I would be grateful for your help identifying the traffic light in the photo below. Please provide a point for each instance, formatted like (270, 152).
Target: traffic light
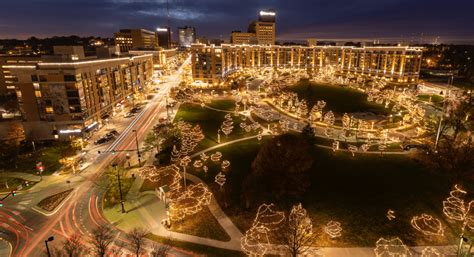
(13, 193)
(1, 203)
(113, 152)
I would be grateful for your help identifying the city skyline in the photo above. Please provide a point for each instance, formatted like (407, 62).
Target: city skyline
(392, 20)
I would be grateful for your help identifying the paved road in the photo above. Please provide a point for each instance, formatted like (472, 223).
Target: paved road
(27, 229)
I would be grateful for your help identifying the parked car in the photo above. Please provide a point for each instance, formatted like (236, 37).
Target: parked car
(101, 141)
(129, 115)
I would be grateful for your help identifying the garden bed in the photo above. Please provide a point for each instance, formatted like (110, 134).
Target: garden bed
(51, 202)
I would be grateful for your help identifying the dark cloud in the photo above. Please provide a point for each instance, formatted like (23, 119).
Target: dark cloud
(296, 19)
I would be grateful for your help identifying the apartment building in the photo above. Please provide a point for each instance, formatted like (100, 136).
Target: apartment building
(71, 98)
(397, 63)
(135, 39)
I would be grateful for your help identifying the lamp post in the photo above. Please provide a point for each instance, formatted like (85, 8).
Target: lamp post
(138, 148)
(120, 187)
(51, 238)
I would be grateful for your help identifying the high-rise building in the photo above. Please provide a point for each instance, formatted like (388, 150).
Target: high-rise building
(186, 36)
(164, 37)
(262, 31)
(265, 33)
(135, 39)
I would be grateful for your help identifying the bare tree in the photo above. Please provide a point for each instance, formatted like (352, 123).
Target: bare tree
(73, 246)
(117, 250)
(102, 238)
(297, 234)
(160, 250)
(137, 238)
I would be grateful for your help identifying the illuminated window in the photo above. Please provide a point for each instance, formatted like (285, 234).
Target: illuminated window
(49, 109)
(38, 93)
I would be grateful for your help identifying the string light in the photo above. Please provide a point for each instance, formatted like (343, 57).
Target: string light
(203, 157)
(352, 149)
(391, 214)
(427, 225)
(333, 229)
(220, 179)
(190, 202)
(225, 164)
(198, 164)
(430, 252)
(215, 157)
(255, 242)
(455, 208)
(335, 146)
(391, 247)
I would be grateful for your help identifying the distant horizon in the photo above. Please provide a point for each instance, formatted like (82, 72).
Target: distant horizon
(392, 40)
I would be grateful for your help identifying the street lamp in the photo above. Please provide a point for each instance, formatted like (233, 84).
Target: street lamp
(138, 148)
(51, 238)
(120, 187)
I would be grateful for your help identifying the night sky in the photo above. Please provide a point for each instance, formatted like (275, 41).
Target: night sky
(394, 20)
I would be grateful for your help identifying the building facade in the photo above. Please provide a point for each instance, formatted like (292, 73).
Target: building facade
(186, 36)
(240, 38)
(211, 64)
(7, 78)
(71, 98)
(135, 39)
(164, 37)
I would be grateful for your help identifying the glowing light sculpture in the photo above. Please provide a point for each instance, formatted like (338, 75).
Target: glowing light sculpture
(333, 229)
(391, 248)
(428, 225)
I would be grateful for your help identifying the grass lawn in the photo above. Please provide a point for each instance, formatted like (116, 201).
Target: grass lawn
(201, 224)
(434, 98)
(202, 250)
(354, 191)
(210, 121)
(338, 99)
(49, 155)
(13, 184)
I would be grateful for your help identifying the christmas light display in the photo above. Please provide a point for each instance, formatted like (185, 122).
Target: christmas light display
(391, 214)
(203, 157)
(431, 252)
(190, 202)
(335, 146)
(329, 118)
(346, 121)
(333, 229)
(165, 176)
(352, 149)
(220, 179)
(189, 137)
(427, 224)
(215, 157)
(227, 125)
(205, 169)
(364, 148)
(225, 164)
(198, 164)
(391, 248)
(268, 217)
(255, 242)
(455, 208)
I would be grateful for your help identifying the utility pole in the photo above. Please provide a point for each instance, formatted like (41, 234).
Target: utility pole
(120, 187)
